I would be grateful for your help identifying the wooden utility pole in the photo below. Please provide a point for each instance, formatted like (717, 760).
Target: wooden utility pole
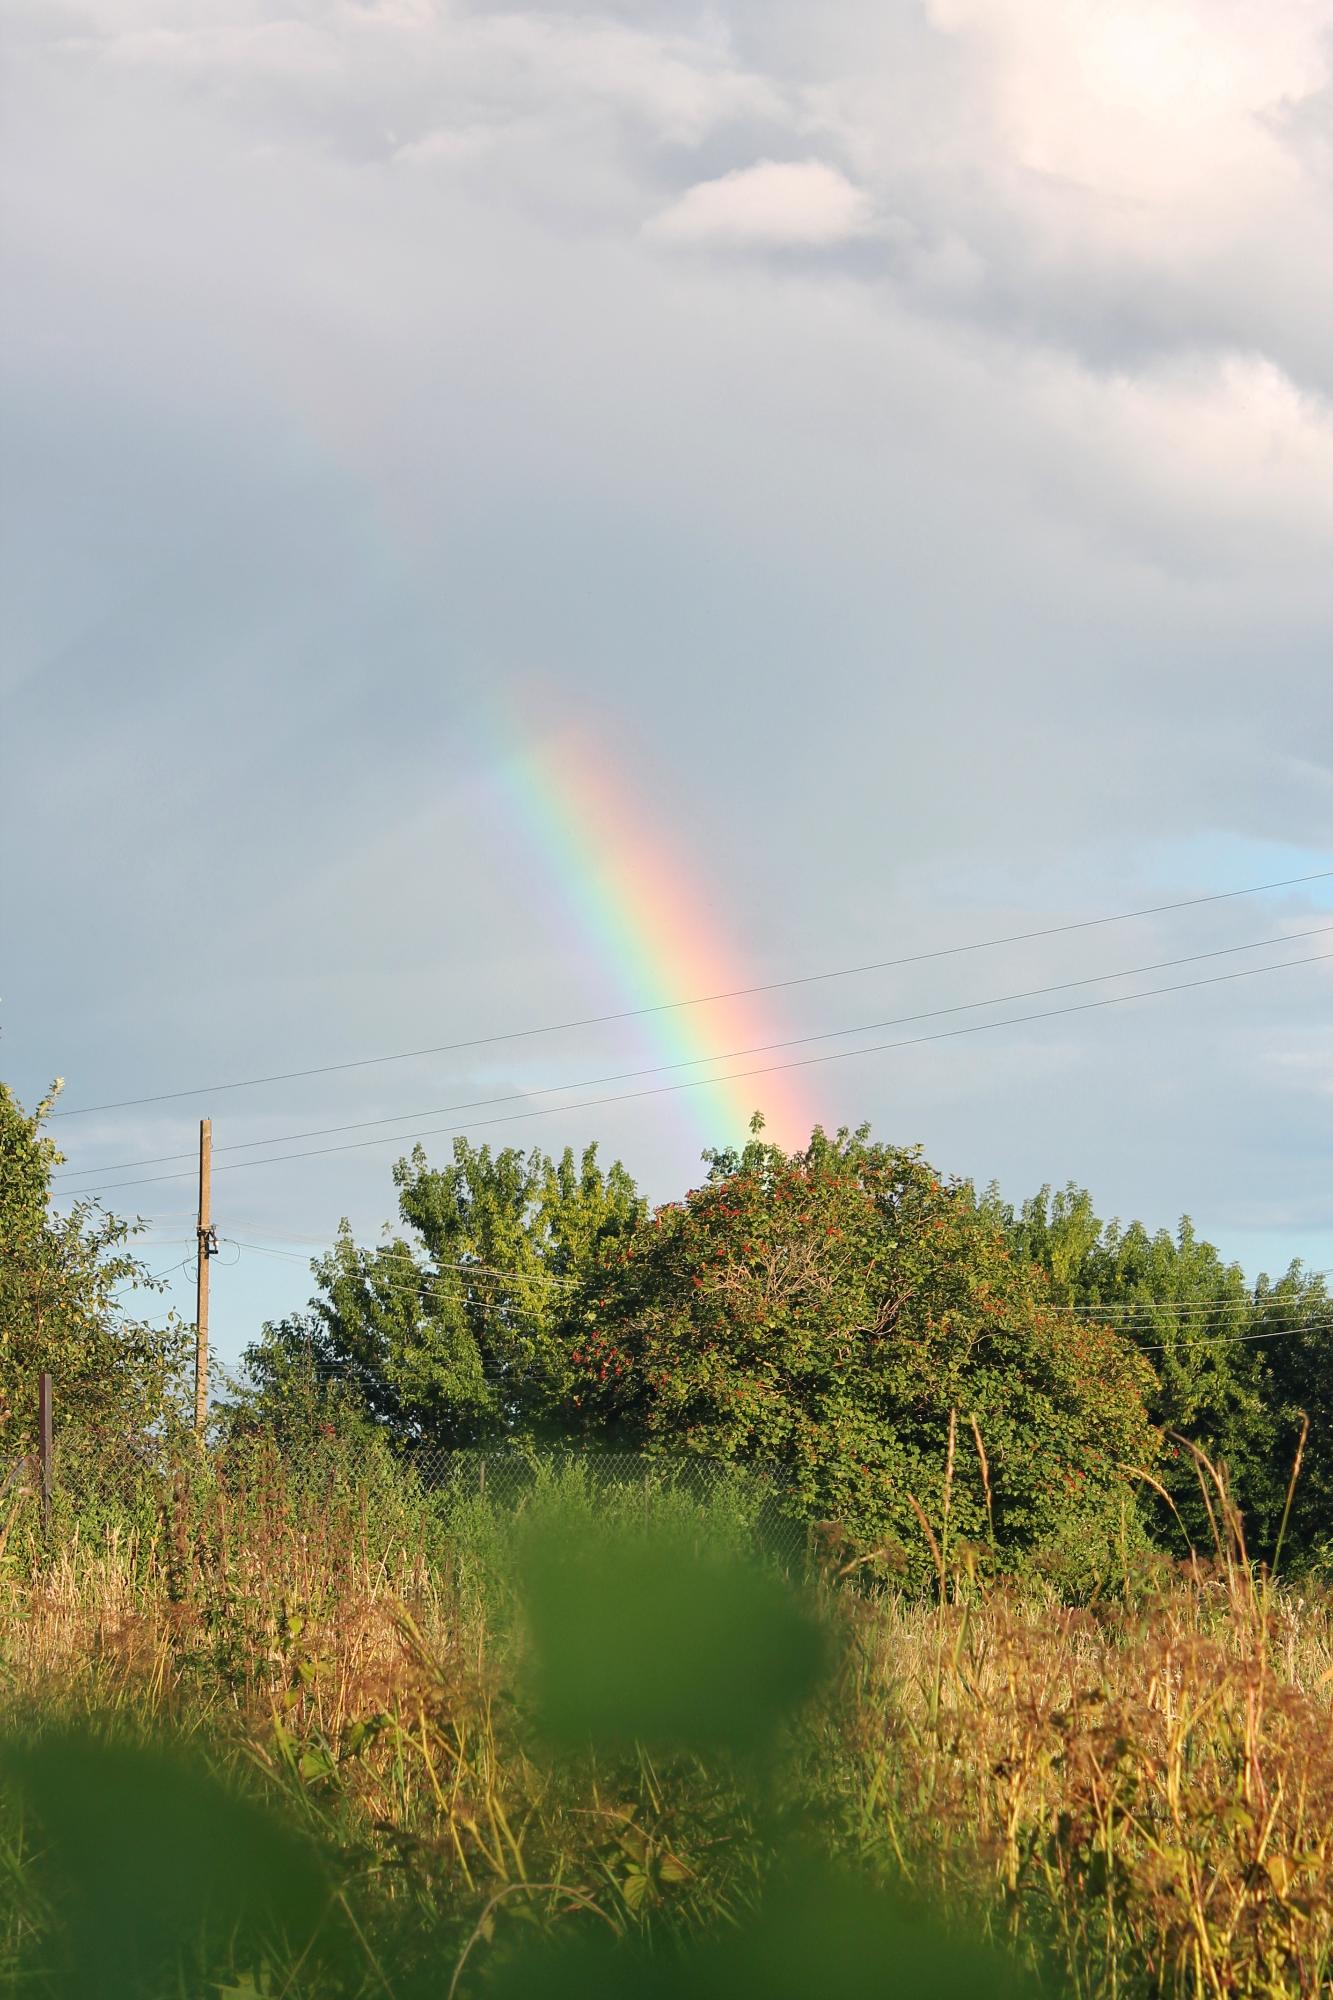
(45, 1450)
(208, 1244)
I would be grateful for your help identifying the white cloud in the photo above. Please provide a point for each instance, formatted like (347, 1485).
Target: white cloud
(1135, 179)
(448, 146)
(775, 203)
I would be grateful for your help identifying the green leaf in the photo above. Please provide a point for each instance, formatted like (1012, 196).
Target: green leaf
(641, 1638)
(157, 1866)
(634, 1888)
(318, 1762)
(817, 1936)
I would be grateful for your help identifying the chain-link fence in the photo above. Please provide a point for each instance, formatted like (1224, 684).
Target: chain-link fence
(100, 1485)
(510, 1480)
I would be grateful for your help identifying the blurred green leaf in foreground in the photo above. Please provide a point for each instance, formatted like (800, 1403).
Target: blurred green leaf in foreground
(159, 1877)
(817, 1935)
(642, 1638)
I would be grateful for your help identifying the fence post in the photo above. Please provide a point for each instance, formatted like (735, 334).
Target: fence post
(45, 1440)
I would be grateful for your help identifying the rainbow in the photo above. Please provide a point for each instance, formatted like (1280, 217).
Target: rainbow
(653, 930)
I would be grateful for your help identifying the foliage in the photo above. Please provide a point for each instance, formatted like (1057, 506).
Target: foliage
(62, 1280)
(151, 1865)
(1235, 1368)
(882, 1337)
(456, 1334)
(845, 1316)
(640, 1636)
(1136, 1799)
(1292, 1327)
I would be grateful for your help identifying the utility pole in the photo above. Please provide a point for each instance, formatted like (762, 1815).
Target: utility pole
(208, 1244)
(45, 1473)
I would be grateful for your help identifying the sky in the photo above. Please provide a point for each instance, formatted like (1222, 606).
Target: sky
(518, 515)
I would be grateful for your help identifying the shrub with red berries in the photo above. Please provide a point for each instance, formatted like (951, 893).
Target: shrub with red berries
(839, 1314)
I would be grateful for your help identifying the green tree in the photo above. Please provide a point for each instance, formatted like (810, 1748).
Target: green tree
(851, 1320)
(63, 1280)
(458, 1332)
(1292, 1327)
(1193, 1316)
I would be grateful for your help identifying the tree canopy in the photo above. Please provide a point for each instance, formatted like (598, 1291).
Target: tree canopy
(458, 1332)
(64, 1281)
(856, 1323)
(1236, 1368)
(916, 1365)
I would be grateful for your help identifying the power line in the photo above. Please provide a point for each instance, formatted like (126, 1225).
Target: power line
(699, 1000)
(1121, 1318)
(337, 1368)
(1202, 1326)
(430, 1288)
(733, 1076)
(152, 1277)
(694, 1062)
(282, 1236)
(1164, 1320)
(467, 1269)
(1149, 1317)
(1198, 1334)
(1218, 1306)
(323, 1245)
(1236, 1339)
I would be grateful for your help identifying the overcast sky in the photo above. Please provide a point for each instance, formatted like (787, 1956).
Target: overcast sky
(893, 442)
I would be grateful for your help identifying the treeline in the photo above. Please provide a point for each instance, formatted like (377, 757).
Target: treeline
(912, 1356)
(930, 1373)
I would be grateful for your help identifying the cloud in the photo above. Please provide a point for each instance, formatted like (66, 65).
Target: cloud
(775, 204)
(974, 558)
(1135, 181)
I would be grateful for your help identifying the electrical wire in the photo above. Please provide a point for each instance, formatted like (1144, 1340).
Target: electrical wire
(734, 1076)
(1132, 1316)
(431, 1288)
(1198, 1333)
(1124, 1318)
(1199, 1316)
(1155, 1319)
(152, 1277)
(1108, 1314)
(467, 1268)
(694, 1062)
(1158, 1305)
(699, 1000)
(1238, 1339)
(334, 1369)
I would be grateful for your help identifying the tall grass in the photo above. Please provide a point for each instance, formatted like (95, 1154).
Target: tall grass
(1135, 1795)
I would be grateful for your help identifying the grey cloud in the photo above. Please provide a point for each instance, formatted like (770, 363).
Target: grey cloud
(918, 585)
(598, 119)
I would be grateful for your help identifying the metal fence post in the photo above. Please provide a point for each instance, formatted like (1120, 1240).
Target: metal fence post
(45, 1468)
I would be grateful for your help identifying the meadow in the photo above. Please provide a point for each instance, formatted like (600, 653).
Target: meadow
(612, 1737)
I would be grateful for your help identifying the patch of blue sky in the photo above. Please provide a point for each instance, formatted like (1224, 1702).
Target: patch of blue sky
(1096, 879)
(1210, 863)
(1272, 1249)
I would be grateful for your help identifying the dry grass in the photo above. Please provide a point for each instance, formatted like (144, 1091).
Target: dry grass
(1151, 1790)
(1141, 1792)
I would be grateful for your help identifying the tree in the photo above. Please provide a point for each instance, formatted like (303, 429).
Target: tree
(848, 1318)
(1194, 1316)
(1293, 1333)
(62, 1279)
(459, 1333)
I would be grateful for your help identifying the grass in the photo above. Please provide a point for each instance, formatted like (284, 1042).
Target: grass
(1130, 1798)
